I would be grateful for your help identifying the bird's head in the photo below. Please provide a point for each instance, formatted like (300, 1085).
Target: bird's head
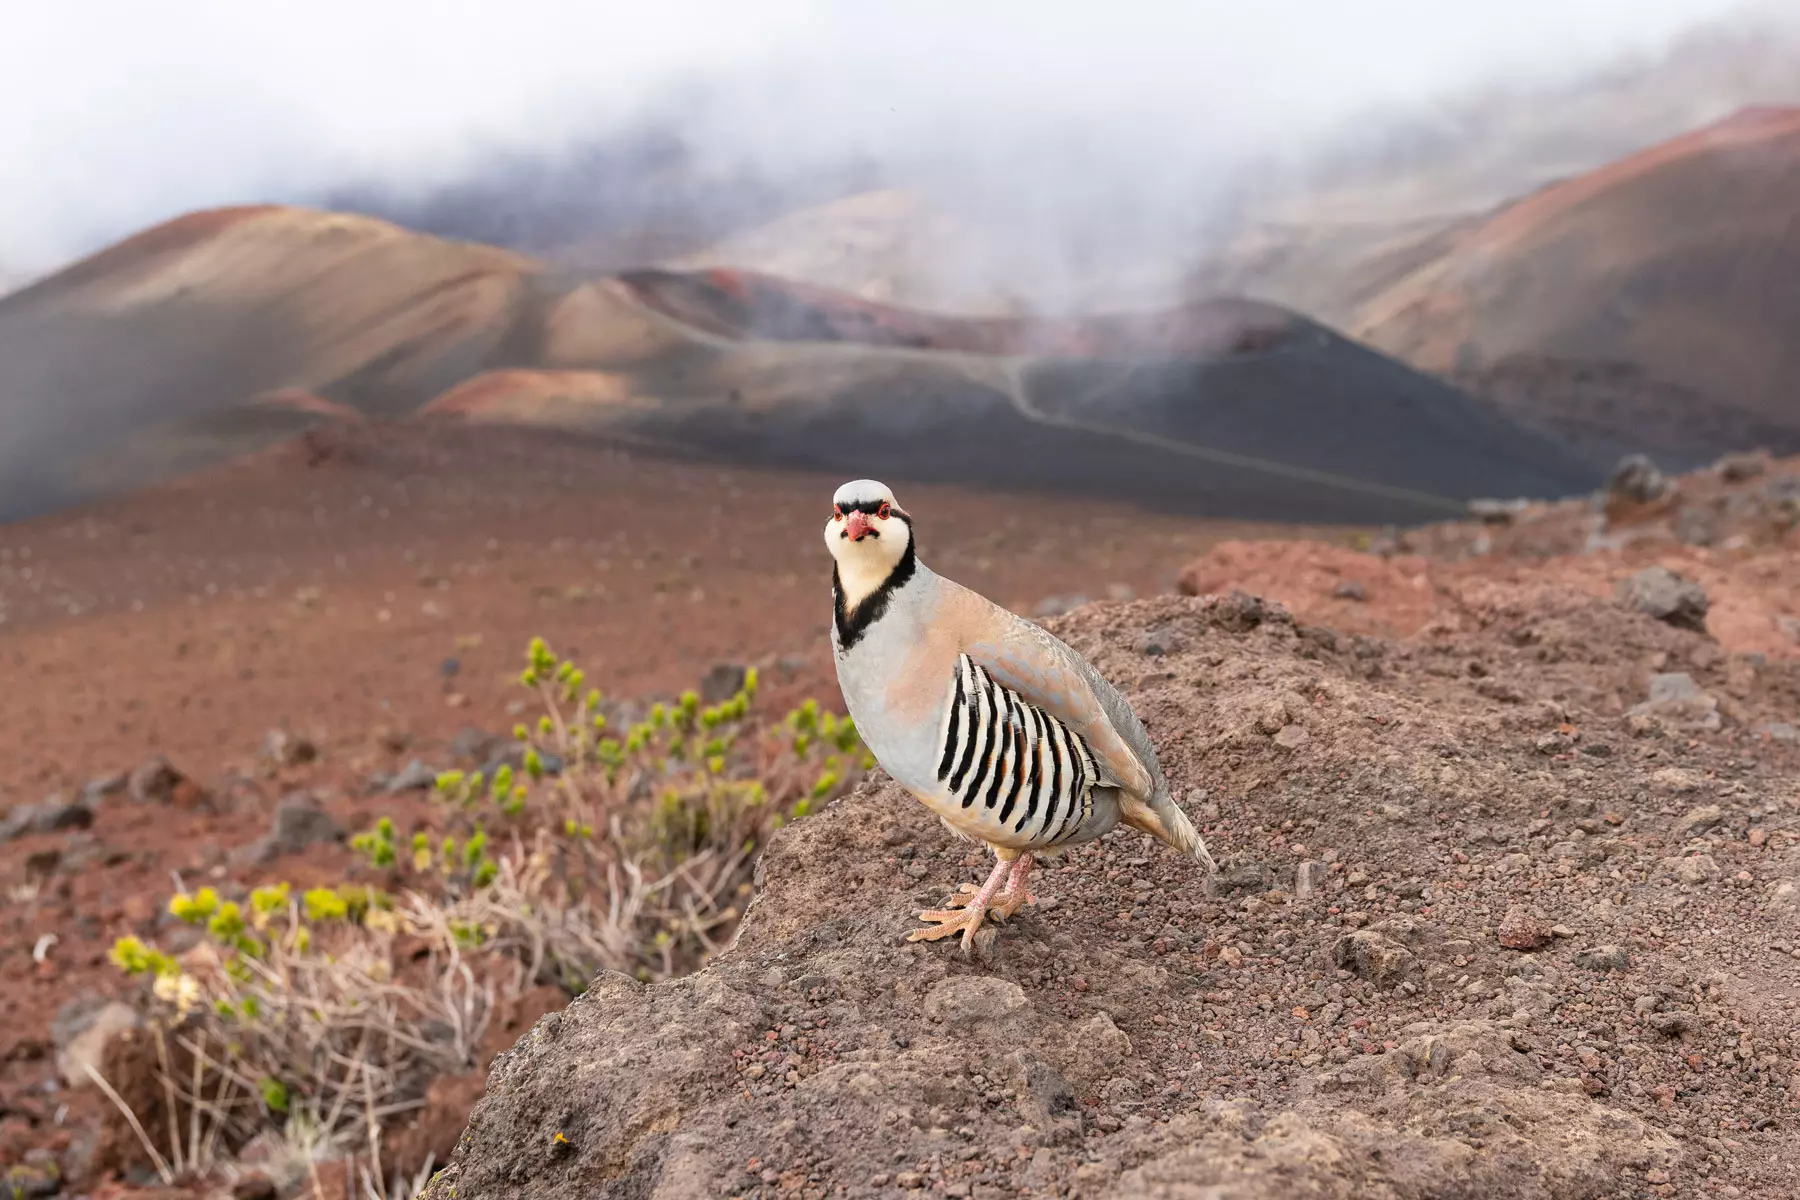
(868, 534)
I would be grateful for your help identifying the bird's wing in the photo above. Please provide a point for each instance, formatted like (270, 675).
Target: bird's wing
(1046, 673)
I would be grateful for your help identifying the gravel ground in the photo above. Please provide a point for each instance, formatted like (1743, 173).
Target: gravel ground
(1490, 922)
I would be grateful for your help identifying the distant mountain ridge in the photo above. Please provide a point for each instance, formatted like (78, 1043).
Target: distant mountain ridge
(228, 330)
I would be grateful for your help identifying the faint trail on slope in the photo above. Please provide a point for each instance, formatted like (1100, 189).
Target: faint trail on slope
(1009, 370)
(1016, 391)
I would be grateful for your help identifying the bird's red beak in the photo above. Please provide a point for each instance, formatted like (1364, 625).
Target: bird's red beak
(856, 524)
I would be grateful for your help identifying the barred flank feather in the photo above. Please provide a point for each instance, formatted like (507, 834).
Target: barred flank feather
(1022, 768)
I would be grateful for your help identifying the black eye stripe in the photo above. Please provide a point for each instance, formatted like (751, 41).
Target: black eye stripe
(873, 509)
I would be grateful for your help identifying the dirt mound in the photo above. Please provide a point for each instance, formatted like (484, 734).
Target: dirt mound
(1485, 927)
(143, 363)
(1675, 260)
(1733, 529)
(132, 365)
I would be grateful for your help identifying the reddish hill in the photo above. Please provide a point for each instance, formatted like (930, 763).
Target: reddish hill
(1679, 261)
(159, 355)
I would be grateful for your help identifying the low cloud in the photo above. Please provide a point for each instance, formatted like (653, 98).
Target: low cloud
(1085, 124)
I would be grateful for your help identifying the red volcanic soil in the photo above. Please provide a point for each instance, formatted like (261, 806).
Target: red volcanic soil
(1735, 533)
(322, 586)
(1678, 260)
(191, 618)
(179, 233)
(1748, 128)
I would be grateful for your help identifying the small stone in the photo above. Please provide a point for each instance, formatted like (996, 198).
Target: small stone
(300, 823)
(723, 681)
(1292, 737)
(1739, 468)
(81, 1032)
(1519, 930)
(1239, 876)
(1698, 820)
(49, 816)
(154, 781)
(1661, 593)
(414, 776)
(1603, 958)
(1676, 700)
(1637, 479)
(1695, 868)
(471, 744)
(1154, 643)
(284, 749)
(1373, 957)
(103, 786)
(973, 999)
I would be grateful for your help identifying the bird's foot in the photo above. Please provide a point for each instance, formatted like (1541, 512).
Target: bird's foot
(1003, 906)
(1011, 901)
(964, 895)
(946, 921)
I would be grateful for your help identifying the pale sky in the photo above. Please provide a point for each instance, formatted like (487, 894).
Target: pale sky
(118, 113)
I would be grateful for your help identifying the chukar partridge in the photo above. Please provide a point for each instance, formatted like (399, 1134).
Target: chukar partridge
(998, 727)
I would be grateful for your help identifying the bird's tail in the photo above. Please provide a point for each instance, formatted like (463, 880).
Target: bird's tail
(1162, 819)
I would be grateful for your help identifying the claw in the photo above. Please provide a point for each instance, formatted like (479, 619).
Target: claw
(1006, 904)
(964, 894)
(949, 921)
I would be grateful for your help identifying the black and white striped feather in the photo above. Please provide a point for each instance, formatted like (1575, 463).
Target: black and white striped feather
(1010, 765)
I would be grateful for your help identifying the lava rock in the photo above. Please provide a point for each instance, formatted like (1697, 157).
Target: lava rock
(1661, 593)
(155, 781)
(285, 749)
(1680, 703)
(415, 776)
(1638, 480)
(81, 1030)
(300, 823)
(50, 815)
(1309, 879)
(1698, 820)
(1603, 958)
(1371, 955)
(1519, 930)
(722, 682)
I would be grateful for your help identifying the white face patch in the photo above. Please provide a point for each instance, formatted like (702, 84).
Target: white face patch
(864, 563)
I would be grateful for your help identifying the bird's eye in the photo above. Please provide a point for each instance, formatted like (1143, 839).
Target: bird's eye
(837, 512)
(883, 512)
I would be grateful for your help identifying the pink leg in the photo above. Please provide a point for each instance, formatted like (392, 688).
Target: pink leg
(950, 920)
(1016, 894)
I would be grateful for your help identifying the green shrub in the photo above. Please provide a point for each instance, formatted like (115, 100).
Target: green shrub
(629, 851)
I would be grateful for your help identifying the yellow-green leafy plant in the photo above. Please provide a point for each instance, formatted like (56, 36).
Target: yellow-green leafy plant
(295, 1008)
(589, 848)
(643, 833)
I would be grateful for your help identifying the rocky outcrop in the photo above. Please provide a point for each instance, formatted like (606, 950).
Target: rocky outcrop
(1373, 1025)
